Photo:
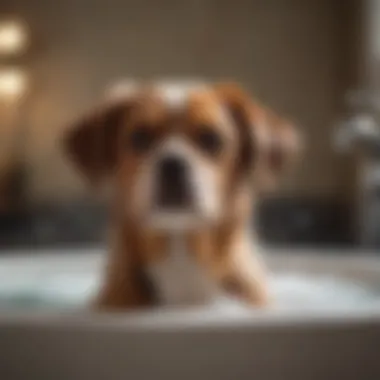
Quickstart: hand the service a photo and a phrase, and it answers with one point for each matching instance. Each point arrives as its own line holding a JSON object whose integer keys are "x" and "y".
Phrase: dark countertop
{"x": 53, "y": 225}
{"x": 279, "y": 221}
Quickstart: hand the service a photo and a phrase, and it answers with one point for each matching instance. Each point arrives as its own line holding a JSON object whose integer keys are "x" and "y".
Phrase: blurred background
{"x": 314, "y": 61}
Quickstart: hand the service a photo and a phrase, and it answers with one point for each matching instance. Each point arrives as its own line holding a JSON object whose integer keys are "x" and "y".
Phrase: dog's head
{"x": 177, "y": 154}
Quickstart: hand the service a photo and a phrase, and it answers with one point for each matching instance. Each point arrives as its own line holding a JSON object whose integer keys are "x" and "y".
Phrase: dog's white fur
{"x": 179, "y": 280}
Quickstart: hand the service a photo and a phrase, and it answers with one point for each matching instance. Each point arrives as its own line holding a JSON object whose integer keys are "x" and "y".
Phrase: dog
{"x": 185, "y": 164}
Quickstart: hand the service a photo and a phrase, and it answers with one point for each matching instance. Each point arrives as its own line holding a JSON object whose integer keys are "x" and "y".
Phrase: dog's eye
{"x": 141, "y": 139}
{"x": 209, "y": 141}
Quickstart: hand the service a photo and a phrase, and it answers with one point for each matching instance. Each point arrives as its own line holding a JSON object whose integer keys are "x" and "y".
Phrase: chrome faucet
{"x": 360, "y": 130}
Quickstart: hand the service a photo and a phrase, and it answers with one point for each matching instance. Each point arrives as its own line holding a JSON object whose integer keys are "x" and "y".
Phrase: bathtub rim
{"x": 178, "y": 322}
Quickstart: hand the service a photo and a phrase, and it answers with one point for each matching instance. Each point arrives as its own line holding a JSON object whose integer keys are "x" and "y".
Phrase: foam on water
{"x": 290, "y": 290}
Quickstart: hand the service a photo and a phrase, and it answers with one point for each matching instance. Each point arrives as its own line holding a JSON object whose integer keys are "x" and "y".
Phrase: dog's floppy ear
{"x": 91, "y": 142}
{"x": 281, "y": 149}
{"x": 268, "y": 142}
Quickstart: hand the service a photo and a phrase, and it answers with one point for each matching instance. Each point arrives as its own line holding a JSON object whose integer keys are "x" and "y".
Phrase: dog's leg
{"x": 243, "y": 274}
{"x": 124, "y": 288}
{"x": 235, "y": 266}
{"x": 125, "y": 285}
{"x": 244, "y": 277}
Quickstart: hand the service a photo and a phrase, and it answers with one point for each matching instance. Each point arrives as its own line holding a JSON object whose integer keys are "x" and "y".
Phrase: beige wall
{"x": 292, "y": 54}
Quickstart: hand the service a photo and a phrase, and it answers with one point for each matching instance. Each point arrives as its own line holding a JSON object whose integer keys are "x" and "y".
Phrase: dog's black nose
{"x": 172, "y": 169}
{"x": 173, "y": 186}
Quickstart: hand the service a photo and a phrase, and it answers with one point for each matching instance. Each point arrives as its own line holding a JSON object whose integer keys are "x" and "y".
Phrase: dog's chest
{"x": 179, "y": 280}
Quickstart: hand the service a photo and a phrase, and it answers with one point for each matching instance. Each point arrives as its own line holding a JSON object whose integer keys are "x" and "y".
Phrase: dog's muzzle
{"x": 173, "y": 185}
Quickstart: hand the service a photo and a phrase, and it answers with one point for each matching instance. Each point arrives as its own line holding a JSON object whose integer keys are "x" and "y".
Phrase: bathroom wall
{"x": 295, "y": 55}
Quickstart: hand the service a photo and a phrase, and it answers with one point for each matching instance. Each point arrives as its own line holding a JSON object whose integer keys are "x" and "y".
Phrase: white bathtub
{"x": 325, "y": 325}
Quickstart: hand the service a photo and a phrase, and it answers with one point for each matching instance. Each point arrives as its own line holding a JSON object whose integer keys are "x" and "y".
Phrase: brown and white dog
{"x": 185, "y": 163}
